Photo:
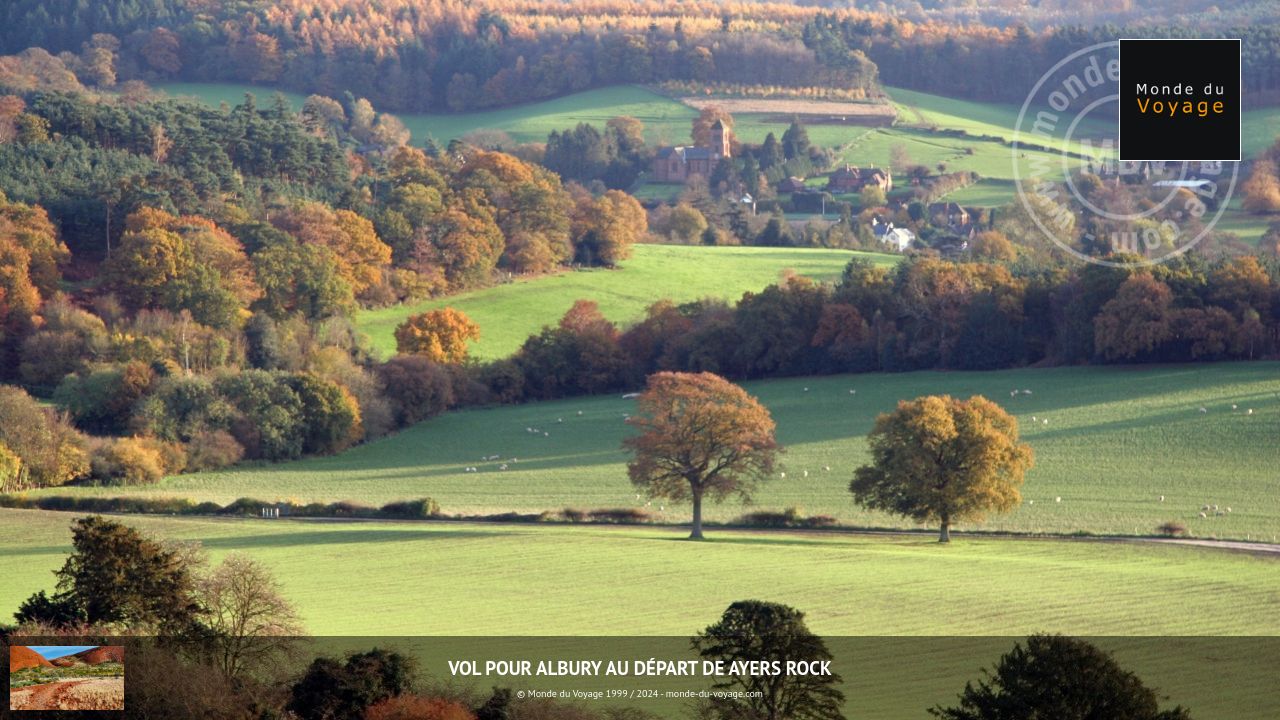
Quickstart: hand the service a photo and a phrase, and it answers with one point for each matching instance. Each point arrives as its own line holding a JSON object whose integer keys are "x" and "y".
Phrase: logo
{"x": 1077, "y": 191}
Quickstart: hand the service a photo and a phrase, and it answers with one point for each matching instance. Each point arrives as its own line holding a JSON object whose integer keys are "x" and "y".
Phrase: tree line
{"x": 412, "y": 55}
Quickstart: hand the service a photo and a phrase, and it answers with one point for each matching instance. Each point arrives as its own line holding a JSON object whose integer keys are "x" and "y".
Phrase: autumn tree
{"x": 251, "y": 625}
{"x": 606, "y": 227}
{"x": 700, "y": 436}
{"x": 992, "y": 245}
{"x": 362, "y": 258}
{"x": 1051, "y": 676}
{"x": 751, "y": 630}
{"x": 1261, "y": 190}
{"x": 940, "y": 459}
{"x": 439, "y": 335}
{"x": 1137, "y": 321}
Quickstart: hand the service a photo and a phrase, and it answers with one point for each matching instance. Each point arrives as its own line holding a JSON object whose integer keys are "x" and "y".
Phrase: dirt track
{"x": 88, "y": 694}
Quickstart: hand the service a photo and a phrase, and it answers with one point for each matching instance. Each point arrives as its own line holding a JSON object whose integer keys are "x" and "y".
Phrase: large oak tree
{"x": 941, "y": 459}
{"x": 700, "y": 436}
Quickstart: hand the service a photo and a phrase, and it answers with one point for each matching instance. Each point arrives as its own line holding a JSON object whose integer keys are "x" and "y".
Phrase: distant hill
{"x": 22, "y": 657}
{"x": 101, "y": 654}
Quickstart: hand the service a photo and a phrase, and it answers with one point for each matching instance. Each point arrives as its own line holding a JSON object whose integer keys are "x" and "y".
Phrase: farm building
{"x": 853, "y": 179}
{"x": 678, "y": 164}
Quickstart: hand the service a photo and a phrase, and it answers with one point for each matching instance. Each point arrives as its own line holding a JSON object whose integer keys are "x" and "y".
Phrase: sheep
{"x": 1249, "y": 411}
{"x": 1031, "y": 502}
{"x": 1046, "y": 421}
{"x": 782, "y": 475}
{"x": 1026, "y": 392}
{"x": 853, "y": 392}
{"x": 806, "y": 389}
{"x": 662, "y": 508}
{"x": 559, "y": 419}
{"x": 1204, "y": 507}
{"x": 546, "y": 434}
{"x": 1057, "y": 499}
{"x": 1013, "y": 393}
{"x": 1203, "y": 515}
{"x": 826, "y": 468}
{"x": 503, "y": 466}
{"x": 1033, "y": 419}
{"x": 1219, "y": 513}
{"x": 1161, "y": 498}
{"x": 804, "y": 473}
{"x": 579, "y": 413}
{"x": 515, "y": 460}
{"x": 1204, "y": 410}
{"x": 1215, "y": 508}
{"x": 1234, "y": 406}
{"x": 1228, "y": 508}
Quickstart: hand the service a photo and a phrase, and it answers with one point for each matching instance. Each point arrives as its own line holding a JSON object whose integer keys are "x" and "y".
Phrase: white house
{"x": 899, "y": 238}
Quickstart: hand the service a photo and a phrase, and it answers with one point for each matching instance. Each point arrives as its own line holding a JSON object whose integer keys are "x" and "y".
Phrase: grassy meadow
{"x": 478, "y": 579}
{"x": 1109, "y": 443}
{"x": 510, "y": 313}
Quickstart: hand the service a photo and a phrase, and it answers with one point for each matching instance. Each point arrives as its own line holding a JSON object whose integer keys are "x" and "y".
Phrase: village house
{"x": 898, "y": 238}
{"x": 678, "y": 164}
{"x": 953, "y": 218}
{"x": 853, "y": 179}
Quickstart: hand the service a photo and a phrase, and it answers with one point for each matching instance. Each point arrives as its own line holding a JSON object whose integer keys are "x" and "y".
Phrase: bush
{"x": 212, "y": 450}
{"x": 789, "y": 518}
{"x": 126, "y": 461}
{"x": 421, "y": 508}
{"x": 417, "y": 388}
{"x": 620, "y": 515}
{"x": 1173, "y": 528}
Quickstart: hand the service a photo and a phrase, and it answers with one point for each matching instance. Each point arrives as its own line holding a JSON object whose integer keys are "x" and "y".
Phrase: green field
{"x": 510, "y": 313}
{"x": 1117, "y": 439}
{"x": 472, "y": 579}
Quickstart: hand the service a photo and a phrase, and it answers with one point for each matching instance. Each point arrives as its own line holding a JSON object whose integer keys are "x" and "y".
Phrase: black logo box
{"x": 1191, "y": 64}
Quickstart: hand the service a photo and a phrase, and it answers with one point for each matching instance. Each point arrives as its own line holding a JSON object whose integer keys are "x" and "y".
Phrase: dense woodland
{"x": 416, "y": 55}
{"x": 178, "y": 282}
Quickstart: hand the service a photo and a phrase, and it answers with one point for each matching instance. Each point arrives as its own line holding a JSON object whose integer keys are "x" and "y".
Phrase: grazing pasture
{"x": 1110, "y": 442}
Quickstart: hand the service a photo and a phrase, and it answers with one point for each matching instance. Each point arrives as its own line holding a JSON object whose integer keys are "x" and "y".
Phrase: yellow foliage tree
{"x": 440, "y": 335}
{"x": 941, "y": 459}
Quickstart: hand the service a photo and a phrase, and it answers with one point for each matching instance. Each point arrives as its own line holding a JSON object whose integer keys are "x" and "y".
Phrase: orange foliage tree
{"x": 941, "y": 459}
{"x": 440, "y": 335}
{"x": 700, "y": 436}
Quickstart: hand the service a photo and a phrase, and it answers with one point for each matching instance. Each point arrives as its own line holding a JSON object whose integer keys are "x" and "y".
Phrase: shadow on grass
{"x": 343, "y": 537}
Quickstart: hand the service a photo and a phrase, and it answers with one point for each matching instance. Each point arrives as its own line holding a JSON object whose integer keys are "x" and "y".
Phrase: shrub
{"x": 212, "y": 450}
{"x": 1172, "y": 528}
{"x": 574, "y": 514}
{"x": 417, "y": 388}
{"x": 51, "y": 452}
{"x": 421, "y": 508}
{"x": 789, "y": 518}
{"x": 620, "y": 515}
{"x": 126, "y": 461}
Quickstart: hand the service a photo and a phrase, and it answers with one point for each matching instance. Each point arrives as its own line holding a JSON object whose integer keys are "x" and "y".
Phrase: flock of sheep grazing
{"x": 1206, "y": 510}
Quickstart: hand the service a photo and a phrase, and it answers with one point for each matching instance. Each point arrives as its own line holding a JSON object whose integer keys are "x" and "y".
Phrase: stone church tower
{"x": 721, "y": 139}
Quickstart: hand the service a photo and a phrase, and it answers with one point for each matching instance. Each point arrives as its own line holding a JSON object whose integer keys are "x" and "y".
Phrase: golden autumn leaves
{"x": 934, "y": 459}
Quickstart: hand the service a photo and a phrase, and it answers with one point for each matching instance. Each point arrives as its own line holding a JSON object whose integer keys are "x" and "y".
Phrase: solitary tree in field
{"x": 440, "y": 335}
{"x": 700, "y": 436}
{"x": 1062, "y": 678}
{"x": 939, "y": 459}
{"x": 754, "y": 630}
